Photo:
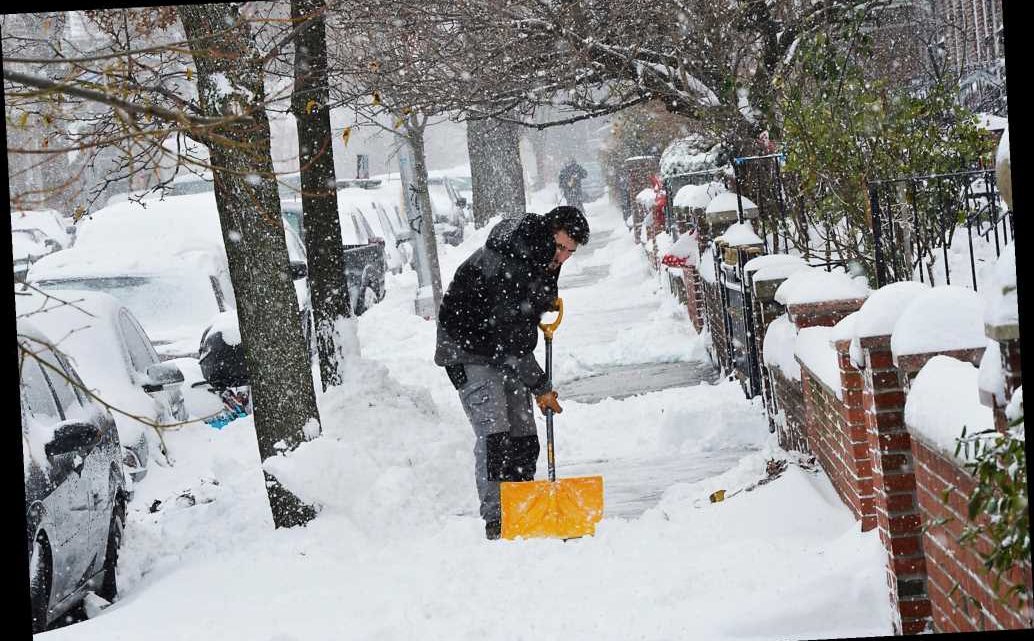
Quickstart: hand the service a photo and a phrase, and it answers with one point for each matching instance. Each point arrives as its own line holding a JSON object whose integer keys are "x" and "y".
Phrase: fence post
{"x": 877, "y": 235}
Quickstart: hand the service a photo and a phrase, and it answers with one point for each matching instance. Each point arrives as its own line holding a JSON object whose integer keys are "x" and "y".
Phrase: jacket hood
{"x": 527, "y": 238}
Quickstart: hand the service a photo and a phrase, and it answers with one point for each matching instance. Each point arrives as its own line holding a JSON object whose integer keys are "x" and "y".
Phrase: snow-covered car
{"x": 366, "y": 252}
{"x": 75, "y": 489}
{"x": 28, "y": 246}
{"x": 165, "y": 261}
{"x": 116, "y": 360}
{"x": 50, "y": 222}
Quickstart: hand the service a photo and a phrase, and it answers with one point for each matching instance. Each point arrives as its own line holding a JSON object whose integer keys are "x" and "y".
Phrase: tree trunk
{"x": 537, "y": 138}
{"x": 323, "y": 246}
{"x": 230, "y": 83}
{"x": 495, "y": 170}
{"x": 415, "y": 136}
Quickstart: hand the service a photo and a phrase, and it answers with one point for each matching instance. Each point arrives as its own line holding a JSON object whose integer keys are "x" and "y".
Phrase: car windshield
{"x": 159, "y": 302}
{"x": 462, "y": 183}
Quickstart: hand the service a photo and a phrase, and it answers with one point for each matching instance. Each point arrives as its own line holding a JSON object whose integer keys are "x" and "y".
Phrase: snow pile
{"x": 686, "y": 248}
{"x": 991, "y": 378}
{"x": 816, "y": 352}
{"x": 689, "y": 154}
{"x": 817, "y": 285}
{"x": 697, "y": 196}
{"x": 942, "y": 400}
{"x": 646, "y": 198}
{"x": 1002, "y": 307}
{"x": 845, "y": 330}
{"x": 779, "y": 347}
{"x": 706, "y": 266}
{"x": 1003, "y": 168}
{"x": 771, "y": 260}
{"x": 939, "y": 319}
{"x": 883, "y": 307}
{"x": 1014, "y": 410}
{"x": 739, "y": 234}
{"x": 726, "y": 202}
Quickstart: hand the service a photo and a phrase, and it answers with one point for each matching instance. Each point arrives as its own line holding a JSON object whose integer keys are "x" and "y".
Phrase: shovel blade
{"x": 562, "y": 509}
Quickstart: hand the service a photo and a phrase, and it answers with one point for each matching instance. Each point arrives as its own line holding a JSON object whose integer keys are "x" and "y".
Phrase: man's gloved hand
{"x": 548, "y": 401}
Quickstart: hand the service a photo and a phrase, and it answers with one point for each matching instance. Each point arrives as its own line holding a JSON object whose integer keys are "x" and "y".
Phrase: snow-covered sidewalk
{"x": 398, "y": 552}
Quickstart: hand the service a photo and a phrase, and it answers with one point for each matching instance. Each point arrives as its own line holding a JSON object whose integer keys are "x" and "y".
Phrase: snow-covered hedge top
{"x": 991, "y": 379}
{"x": 692, "y": 153}
{"x": 645, "y": 197}
{"x": 696, "y": 196}
{"x": 941, "y": 318}
{"x": 883, "y": 307}
{"x": 817, "y": 285}
{"x": 706, "y": 266}
{"x": 768, "y": 260}
{"x": 740, "y": 234}
{"x": 686, "y": 247}
{"x": 778, "y": 347}
{"x": 1001, "y": 306}
{"x": 942, "y": 399}
{"x": 726, "y": 201}
{"x": 814, "y": 348}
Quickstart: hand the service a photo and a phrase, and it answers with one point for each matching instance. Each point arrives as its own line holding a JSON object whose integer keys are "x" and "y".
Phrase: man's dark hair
{"x": 571, "y": 220}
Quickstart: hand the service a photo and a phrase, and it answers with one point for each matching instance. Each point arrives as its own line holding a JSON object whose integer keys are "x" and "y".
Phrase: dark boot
{"x": 492, "y": 530}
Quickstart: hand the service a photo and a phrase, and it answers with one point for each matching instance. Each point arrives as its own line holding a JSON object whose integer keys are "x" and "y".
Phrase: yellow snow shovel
{"x": 563, "y": 509}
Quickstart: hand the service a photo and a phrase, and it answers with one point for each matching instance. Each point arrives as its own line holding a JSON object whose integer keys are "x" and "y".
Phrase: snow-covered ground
{"x": 398, "y": 552}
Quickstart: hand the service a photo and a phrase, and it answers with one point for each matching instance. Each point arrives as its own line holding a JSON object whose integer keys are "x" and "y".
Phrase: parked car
{"x": 365, "y": 254}
{"x": 52, "y": 223}
{"x": 165, "y": 261}
{"x": 75, "y": 489}
{"x": 114, "y": 356}
{"x": 29, "y": 245}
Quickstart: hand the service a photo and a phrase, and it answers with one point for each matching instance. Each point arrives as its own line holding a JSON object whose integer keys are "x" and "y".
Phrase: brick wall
{"x": 694, "y": 296}
{"x": 857, "y": 455}
{"x": 961, "y": 596}
{"x": 789, "y": 397}
{"x": 894, "y": 486}
{"x": 714, "y": 317}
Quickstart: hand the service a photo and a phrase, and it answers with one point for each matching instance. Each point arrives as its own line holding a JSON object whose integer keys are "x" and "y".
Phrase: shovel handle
{"x": 548, "y": 329}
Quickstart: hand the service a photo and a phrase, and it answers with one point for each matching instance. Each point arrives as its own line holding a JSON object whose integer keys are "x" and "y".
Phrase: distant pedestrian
{"x": 487, "y": 333}
{"x": 571, "y": 176}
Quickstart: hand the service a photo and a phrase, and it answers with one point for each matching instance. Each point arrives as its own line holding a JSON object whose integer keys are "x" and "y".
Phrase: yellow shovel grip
{"x": 548, "y": 329}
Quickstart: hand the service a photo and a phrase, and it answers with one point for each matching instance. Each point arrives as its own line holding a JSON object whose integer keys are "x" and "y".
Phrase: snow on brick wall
{"x": 944, "y": 398}
{"x": 940, "y": 319}
{"x": 790, "y": 400}
{"x": 814, "y": 350}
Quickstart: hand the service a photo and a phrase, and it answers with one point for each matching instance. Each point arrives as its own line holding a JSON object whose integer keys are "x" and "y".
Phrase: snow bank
{"x": 706, "y": 267}
{"x": 771, "y": 260}
{"x": 779, "y": 347}
{"x": 939, "y": 319}
{"x": 817, "y": 285}
{"x": 942, "y": 400}
{"x": 646, "y": 198}
{"x": 686, "y": 247}
{"x": 814, "y": 349}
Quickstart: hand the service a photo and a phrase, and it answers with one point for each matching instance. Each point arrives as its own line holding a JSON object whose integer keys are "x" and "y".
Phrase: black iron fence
{"x": 918, "y": 223}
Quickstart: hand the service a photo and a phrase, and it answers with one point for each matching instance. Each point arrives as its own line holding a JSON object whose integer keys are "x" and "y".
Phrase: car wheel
{"x": 109, "y": 586}
{"x": 40, "y": 582}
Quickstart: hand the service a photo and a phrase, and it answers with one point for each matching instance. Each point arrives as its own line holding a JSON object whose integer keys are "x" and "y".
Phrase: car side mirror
{"x": 71, "y": 436}
{"x": 159, "y": 375}
{"x": 299, "y": 270}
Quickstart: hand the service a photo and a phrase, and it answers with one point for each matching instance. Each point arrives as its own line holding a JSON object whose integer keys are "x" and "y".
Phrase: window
{"x": 141, "y": 352}
{"x": 38, "y": 396}
{"x": 63, "y": 388}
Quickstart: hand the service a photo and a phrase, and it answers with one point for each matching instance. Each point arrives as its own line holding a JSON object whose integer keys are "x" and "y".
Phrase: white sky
{"x": 398, "y": 551}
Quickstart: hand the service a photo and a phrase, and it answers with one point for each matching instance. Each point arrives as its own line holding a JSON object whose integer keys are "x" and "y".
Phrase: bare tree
{"x": 146, "y": 103}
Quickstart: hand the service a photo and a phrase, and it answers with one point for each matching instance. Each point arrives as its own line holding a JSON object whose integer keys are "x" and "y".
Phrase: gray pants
{"x": 499, "y": 407}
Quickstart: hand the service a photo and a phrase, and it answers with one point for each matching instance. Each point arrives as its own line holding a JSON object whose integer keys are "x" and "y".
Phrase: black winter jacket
{"x": 498, "y": 295}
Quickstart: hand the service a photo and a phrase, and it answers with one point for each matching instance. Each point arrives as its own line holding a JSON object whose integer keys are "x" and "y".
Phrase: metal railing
{"x": 916, "y": 220}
